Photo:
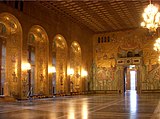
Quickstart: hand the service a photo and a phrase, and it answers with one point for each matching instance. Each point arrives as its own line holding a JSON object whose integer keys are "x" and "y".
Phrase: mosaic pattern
{"x": 75, "y": 63}
{"x": 11, "y": 34}
{"x": 111, "y": 47}
{"x": 59, "y": 47}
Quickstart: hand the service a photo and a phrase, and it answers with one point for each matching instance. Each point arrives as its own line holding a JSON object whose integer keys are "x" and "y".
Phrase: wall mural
{"x": 75, "y": 63}
{"x": 106, "y": 78}
{"x": 11, "y": 33}
{"x": 124, "y": 44}
{"x": 152, "y": 78}
{"x": 38, "y": 39}
{"x": 60, "y": 47}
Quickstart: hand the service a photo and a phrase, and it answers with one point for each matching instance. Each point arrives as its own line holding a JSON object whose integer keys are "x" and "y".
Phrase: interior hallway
{"x": 108, "y": 106}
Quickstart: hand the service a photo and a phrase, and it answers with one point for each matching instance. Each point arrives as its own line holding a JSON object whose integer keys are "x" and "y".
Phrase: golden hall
{"x": 80, "y": 59}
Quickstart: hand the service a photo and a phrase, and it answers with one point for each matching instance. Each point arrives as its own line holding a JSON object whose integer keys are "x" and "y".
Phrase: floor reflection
{"x": 104, "y": 106}
{"x": 133, "y": 101}
{"x": 133, "y": 104}
{"x": 71, "y": 111}
{"x": 84, "y": 110}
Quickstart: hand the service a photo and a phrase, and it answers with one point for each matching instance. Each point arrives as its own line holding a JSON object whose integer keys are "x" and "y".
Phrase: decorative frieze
{"x": 129, "y": 61}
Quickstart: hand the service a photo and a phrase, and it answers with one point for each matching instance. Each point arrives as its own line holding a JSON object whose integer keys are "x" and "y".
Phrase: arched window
{"x": 130, "y": 54}
{"x": 10, "y": 44}
{"x": 38, "y": 59}
{"x": 59, "y": 60}
{"x": 75, "y": 63}
{"x": 31, "y": 59}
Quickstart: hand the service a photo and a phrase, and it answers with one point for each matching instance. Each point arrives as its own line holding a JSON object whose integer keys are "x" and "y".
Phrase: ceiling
{"x": 102, "y": 15}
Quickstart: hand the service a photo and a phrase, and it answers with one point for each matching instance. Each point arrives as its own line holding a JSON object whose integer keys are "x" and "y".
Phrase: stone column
{"x": 139, "y": 78}
{"x": 120, "y": 77}
{"x": 6, "y": 89}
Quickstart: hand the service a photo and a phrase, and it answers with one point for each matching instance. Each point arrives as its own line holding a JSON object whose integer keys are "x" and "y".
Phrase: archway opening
{"x": 38, "y": 59}
{"x": 10, "y": 44}
{"x": 31, "y": 60}
{"x": 59, "y": 61}
{"x": 75, "y": 64}
{"x": 133, "y": 80}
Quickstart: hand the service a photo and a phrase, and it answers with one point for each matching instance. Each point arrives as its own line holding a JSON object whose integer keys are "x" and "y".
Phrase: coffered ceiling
{"x": 102, "y": 15}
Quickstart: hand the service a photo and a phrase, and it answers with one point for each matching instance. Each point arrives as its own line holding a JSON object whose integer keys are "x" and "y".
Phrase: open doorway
{"x": 133, "y": 80}
{"x": 130, "y": 78}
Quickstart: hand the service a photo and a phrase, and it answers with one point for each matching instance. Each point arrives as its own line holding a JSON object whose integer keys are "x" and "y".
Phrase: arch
{"x": 3, "y": 29}
{"x": 38, "y": 58}
{"x": 75, "y": 63}
{"x": 76, "y": 47}
{"x": 59, "y": 53}
{"x": 39, "y": 33}
{"x": 130, "y": 54}
{"x": 11, "y": 35}
{"x": 11, "y": 22}
{"x": 59, "y": 41}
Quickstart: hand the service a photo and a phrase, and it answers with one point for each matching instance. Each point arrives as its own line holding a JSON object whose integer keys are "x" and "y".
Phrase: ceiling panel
{"x": 102, "y": 15}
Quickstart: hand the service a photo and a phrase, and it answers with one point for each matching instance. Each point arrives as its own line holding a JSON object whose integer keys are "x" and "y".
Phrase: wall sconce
{"x": 84, "y": 73}
{"x": 26, "y": 66}
{"x": 70, "y": 72}
{"x": 51, "y": 69}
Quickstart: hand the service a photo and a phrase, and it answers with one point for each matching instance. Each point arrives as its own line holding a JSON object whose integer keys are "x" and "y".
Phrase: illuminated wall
{"x": 108, "y": 47}
{"x": 75, "y": 64}
{"x": 11, "y": 34}
{"x": 60, "y": 48}
{"x": 21, "y": 28}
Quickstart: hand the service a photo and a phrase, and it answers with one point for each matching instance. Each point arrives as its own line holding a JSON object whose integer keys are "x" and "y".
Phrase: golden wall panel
{"x": 53, "y": 24}
{"x": 61, "y": 64}
{"x": 13, "y": 37}
{"x": 75, "y": 64}
{"x": 108, "y": 47}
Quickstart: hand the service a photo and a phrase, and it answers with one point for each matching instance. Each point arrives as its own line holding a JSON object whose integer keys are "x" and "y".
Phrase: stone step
{"x": 7, "y": 99}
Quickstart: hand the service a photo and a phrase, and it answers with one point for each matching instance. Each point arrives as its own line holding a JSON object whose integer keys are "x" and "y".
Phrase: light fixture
{"x": 70, "y": 71}
{"x": 7, "y": 18}
{"x": 26, "y": 66}
{"x": 159, "y": 59}
{"x": 157, "y": 45}
{"x": 84, "y": 73}
{"x": 59, "y": 37}
{"x": 38, "y": 30}
{"x": 151, "y": 18}
{"x": 51, "y": 69}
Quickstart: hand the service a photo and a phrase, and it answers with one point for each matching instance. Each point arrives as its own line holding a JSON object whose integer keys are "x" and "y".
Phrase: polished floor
{"x": 104, "y": 106}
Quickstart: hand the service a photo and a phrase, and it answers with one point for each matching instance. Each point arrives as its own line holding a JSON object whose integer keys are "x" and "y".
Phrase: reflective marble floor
{"x": 104, "y": 106}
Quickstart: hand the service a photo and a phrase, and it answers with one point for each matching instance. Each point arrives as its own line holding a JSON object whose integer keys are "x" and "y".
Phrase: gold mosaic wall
{"x": 60, "y": 48}
{"x": 16, "y": 83}
{"x": 75, "y": 63}
{"x": 11, "y": 33}
{"x": 108, "y": 47}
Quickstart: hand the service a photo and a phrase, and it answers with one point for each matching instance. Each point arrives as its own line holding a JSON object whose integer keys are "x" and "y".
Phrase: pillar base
{"x": 7, "y": 99}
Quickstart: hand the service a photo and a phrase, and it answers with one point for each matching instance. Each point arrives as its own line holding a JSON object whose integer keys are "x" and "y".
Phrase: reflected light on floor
{"x": 52, "y": 116}
{"x": 133, "y": 95}
{"x": 71, "y": 112}
{"x": 84, "y": 110}
{"x": 133, "y": 101}
{"x": 27, "y": 116}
